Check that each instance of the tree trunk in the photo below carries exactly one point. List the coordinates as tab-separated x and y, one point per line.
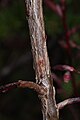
40	57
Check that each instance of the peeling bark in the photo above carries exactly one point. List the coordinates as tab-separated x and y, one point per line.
40	57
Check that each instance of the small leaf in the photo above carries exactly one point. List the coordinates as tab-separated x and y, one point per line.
67	77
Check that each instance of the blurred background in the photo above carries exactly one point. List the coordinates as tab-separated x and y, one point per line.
16	61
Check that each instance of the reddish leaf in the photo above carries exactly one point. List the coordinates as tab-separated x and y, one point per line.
67	77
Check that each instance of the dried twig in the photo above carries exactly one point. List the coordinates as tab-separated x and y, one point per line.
68	102
31	85
22	84
8	87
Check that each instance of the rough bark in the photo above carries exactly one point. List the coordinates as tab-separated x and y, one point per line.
40	57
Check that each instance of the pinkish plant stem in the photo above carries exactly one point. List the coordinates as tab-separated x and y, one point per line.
67	37
54	7
65	26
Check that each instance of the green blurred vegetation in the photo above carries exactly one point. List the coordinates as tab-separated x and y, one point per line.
12	19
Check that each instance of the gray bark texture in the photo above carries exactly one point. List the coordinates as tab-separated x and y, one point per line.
40	58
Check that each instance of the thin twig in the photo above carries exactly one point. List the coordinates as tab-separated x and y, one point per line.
8	87
68	102
31	85
73	30
22	84
54	7
65	26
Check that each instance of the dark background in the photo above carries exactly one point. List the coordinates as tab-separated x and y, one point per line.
16	61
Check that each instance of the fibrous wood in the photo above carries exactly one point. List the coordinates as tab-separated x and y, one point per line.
40	58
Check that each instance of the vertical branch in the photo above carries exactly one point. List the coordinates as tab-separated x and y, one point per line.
40	57
65	26
67	37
